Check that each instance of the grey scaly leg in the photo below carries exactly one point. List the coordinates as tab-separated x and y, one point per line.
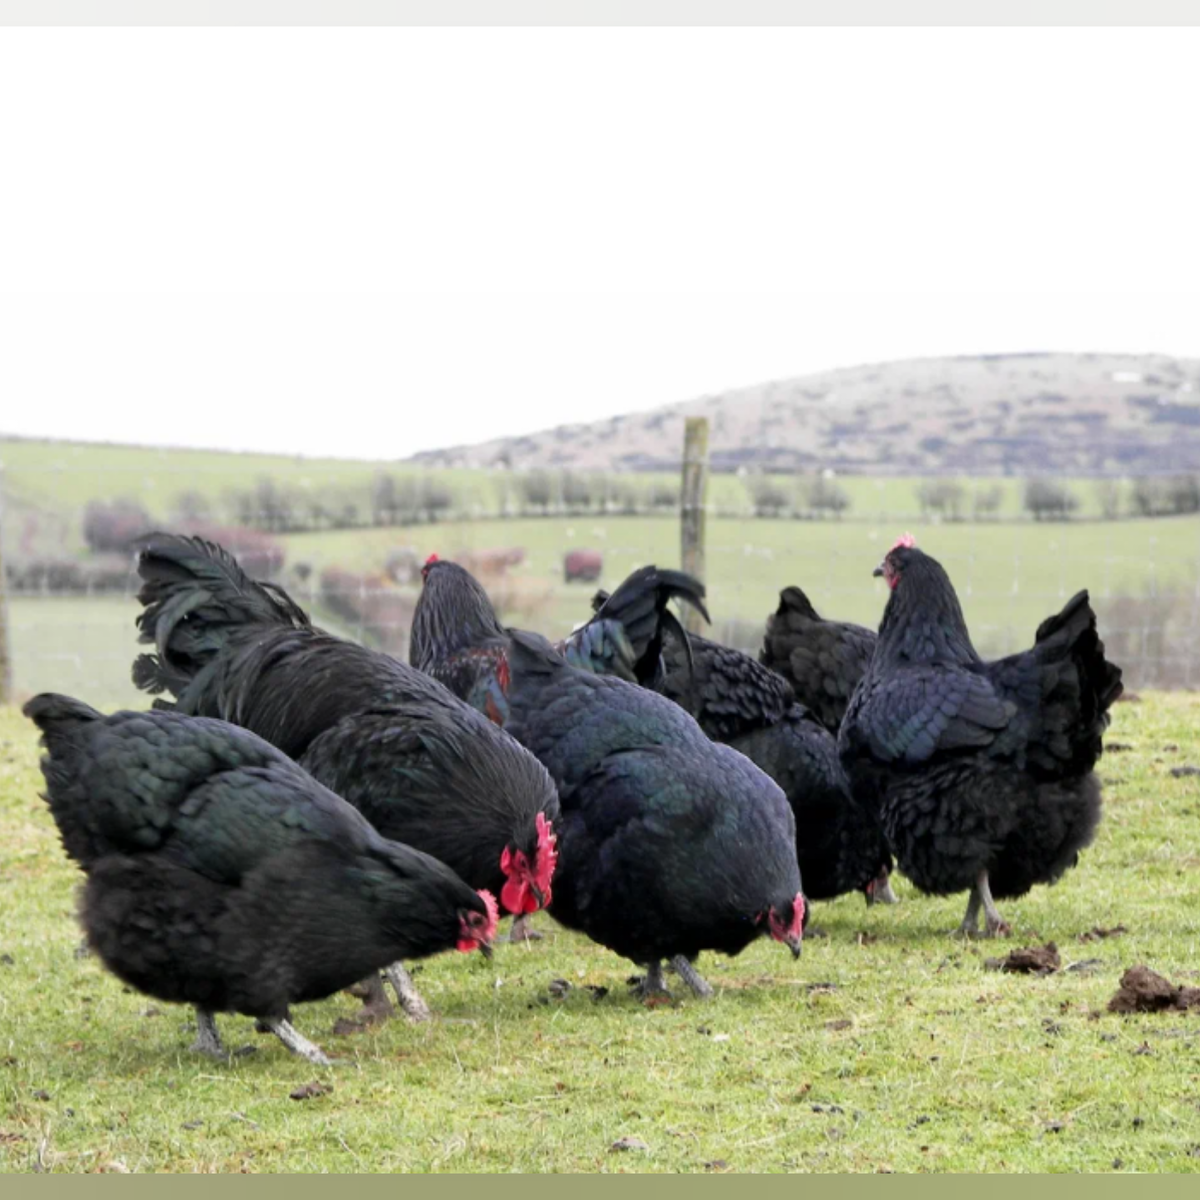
376	1005
521	931
297	1043
997	926
970	921
691	976
883	893
652	983
208	1037
406	992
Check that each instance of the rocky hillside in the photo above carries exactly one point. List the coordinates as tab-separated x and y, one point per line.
1004	413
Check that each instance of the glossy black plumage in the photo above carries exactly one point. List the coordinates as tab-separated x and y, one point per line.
422	766
840	844
628	630
822	660
978	768
221	874
670	844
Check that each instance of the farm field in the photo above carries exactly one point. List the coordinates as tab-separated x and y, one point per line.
1009	577
62	477
888	1046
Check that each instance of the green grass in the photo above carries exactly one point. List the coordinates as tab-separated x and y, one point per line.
943	1065
1009	577
60	478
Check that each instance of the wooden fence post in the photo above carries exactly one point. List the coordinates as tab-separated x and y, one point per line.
693	496
6	682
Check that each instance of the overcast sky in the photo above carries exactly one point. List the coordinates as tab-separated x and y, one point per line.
371	242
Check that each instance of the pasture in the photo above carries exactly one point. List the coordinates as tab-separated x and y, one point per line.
1009	576
888	1046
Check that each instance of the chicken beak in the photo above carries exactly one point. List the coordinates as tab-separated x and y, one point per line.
485	948
878	572
795	944
538	894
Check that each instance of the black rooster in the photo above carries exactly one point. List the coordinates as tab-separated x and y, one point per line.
220	874
669	844
822	660
840	844
421	766
982	771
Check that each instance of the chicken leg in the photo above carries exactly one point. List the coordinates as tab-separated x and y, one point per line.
208	1037
997	926
981	897
410	999
296	1042
521	931
691	977
969	925
651	984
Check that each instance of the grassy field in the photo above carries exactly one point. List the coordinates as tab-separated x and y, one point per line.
61	477
1009	577
888	1046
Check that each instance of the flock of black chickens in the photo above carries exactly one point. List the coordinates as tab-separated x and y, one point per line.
306	813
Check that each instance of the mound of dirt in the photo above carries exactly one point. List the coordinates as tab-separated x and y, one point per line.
1144	990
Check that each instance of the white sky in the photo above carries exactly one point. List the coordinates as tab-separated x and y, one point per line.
370	242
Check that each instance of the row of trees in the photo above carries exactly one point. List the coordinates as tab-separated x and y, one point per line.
820	496
404	499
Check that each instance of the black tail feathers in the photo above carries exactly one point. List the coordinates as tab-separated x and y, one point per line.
793	600
639	605
194	595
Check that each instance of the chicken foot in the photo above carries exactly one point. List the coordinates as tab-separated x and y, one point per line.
997	926
651	984
296	1042
981	897
410	999
208	1037
521	931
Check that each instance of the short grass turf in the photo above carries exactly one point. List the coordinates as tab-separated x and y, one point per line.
888	1046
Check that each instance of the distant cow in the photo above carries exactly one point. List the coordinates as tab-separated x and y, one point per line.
582	565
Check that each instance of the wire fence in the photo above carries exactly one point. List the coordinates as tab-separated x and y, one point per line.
350	550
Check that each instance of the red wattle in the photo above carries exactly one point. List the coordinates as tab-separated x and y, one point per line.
513	895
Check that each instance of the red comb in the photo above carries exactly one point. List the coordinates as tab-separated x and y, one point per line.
493	913
547	855
906	541
431	559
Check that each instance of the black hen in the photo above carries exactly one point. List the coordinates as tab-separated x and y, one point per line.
822	660
669	844
839	843
982	771
220	874
421	766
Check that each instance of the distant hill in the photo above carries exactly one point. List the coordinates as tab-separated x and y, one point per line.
1004	413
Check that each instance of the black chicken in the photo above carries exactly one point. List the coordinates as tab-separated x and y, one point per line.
220	874
421	766
822	660
669	844
840	844
982	771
